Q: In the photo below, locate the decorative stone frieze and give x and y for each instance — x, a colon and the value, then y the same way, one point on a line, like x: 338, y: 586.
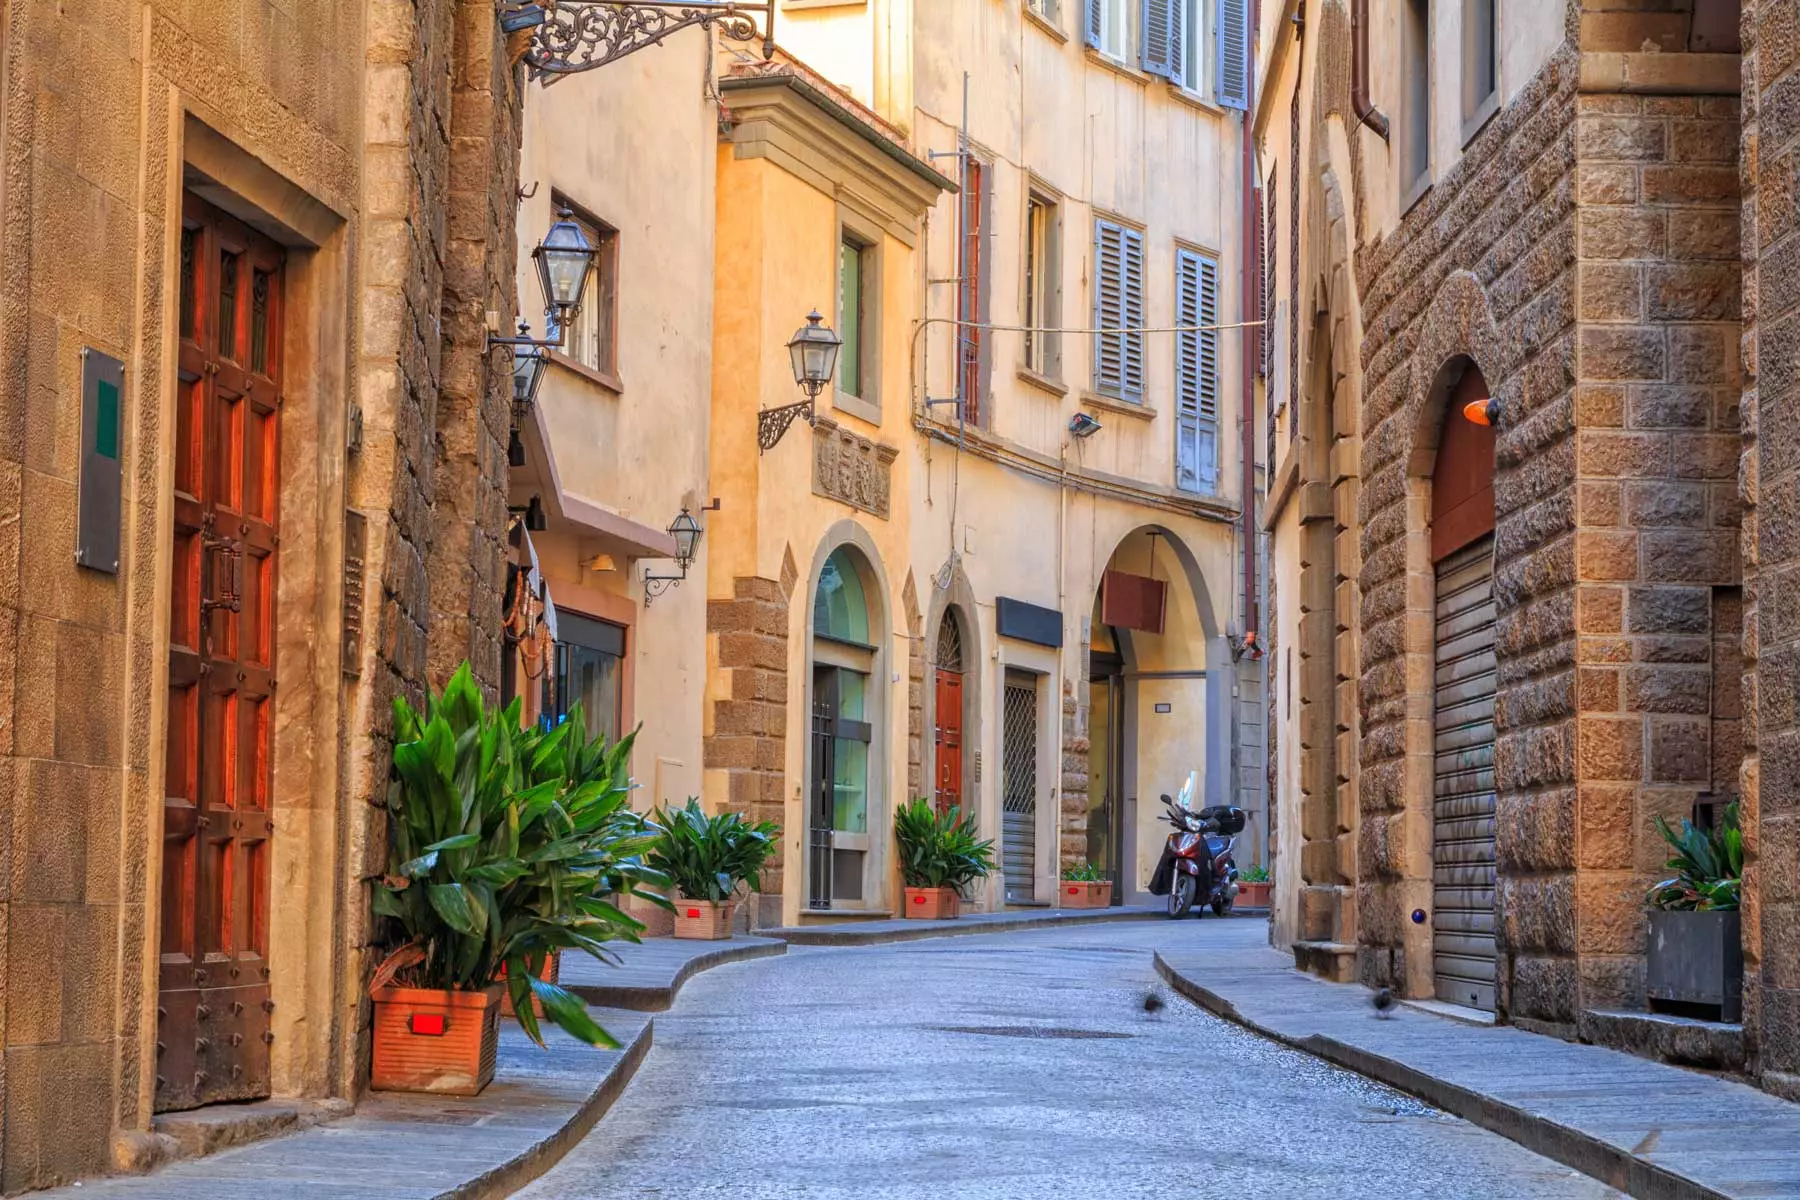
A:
x: 851, y: 468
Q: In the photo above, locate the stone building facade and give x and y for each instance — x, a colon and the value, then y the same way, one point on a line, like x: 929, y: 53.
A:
x: 1565, y: 247
x: 249, y: 255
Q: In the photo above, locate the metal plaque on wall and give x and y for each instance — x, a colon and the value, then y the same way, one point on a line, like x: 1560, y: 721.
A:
x: 356, y: 549
x: 98, y: 508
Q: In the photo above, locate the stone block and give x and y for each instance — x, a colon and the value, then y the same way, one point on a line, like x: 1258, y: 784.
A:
x: 1607, y: 556
x: 1669, y: 610
x: 1606, y: 822
x: 1597, y: 690
x: 1703, y: 234
x: 1690, y: 184
x: 1649, y: 505
x: 1610, y: 291
x: 1703, y: 354
x: 1668, y: 688
x: 1682, y: 556
x: 1620, y: 138
x: 1622, y: 233
x: 1610, y: 748
x: 1694, y: 291
x: 1606, y: 183
x: 1600, y: 405
x: 1611, y: 913
x: 1622, y: 353
x: 1680, y: 750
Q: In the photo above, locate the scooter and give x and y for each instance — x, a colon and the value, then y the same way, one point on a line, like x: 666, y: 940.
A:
x: 1197, y: 863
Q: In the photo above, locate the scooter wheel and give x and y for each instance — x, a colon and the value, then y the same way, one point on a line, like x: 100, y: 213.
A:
x: 1181, y: 896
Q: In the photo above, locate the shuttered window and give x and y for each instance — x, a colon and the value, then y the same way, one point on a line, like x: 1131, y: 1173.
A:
x: 1106, y: 26
x: 1165, y: 38
x: 1118, y: 308
x: 1233, y: 45
x: 1196, y: 373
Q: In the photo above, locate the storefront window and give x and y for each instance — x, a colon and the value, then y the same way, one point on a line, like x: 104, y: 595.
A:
x: 590, y: 663
x: 850, y: 755
x: 840, y: 611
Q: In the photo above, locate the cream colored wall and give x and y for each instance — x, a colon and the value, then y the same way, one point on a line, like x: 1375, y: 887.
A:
x: 1283, y: 685
x: 634, y: 146
x: 777, y: 264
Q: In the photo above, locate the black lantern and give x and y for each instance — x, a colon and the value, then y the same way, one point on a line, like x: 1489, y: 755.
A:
x: 534, y: 516
x: 814, y: 350
x: 515, y: 448
x: 528, y: 368
x: 686, y: 532
x: 564, y: 259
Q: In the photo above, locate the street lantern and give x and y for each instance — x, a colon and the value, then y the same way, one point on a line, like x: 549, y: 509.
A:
x: 564, y: 259
x: 814, y: 350
x: 528, y: 368
x: 686, y: 532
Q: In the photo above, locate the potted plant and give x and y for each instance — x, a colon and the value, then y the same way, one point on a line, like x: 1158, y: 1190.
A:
x: 1253, y: 887
x: 939, y: 856
x: 707, y: 858
x: 502, y: 842
x: 1696, y: 960
x: 1083, y: 886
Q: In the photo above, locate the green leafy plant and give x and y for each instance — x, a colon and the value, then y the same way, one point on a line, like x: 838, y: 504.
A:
x: 1083, y: 872
x: 707, y: 857
x: 504, y: 846
x: 1255, y: 873
x: 1708, y: 864
x: 939, y: 850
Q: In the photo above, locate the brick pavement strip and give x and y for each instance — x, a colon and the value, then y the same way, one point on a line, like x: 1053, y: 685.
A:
x: 1653, y: 1131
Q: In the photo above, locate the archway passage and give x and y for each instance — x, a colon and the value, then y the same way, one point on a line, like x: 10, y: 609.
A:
x: 947, y: 731
x: 1463, y: 785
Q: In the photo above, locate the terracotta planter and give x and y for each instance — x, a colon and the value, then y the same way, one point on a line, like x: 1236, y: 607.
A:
x: 931, y: 904
x: 1083, y: 893
x: 430, y: 1041
x: 1252, y: 895
x: 549, y: 975
x: 703, y: 920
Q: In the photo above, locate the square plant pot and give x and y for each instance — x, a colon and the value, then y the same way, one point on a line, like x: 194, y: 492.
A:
x: 931, y: 904
x: 702, y: 920
x: 432, y: 1041
x: 1696, y: 964
x: 1252, y: 895
x: 1080, y: 893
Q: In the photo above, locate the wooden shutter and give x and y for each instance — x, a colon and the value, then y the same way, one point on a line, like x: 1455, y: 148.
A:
x: 1095, y: 23
x: 1234, y: 54
x: 1196, y: 373
x: 1162, y: 37
x: 1109, y: 307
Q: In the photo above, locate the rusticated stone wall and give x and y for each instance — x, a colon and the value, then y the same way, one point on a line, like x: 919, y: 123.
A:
x: 1770, y: 487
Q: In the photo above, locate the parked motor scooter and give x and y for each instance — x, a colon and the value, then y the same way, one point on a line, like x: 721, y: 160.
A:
x: 1197, y: 863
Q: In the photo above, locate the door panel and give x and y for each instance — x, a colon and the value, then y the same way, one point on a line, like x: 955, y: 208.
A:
x: 213, y: 1006
x: 1019, y: 727
x: 1463, y: 792
x: 949, y: 739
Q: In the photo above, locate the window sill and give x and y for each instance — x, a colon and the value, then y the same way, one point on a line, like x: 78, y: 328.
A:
x: 1410, y: 197
x: 1043, y: 382
x: 1044, y: 23
x: 856, y: 406
x: 1484, y: 112
x: 1194, y: 99
x: 605, y: 379
x: 1117, y: 66
x: 1125, y: 408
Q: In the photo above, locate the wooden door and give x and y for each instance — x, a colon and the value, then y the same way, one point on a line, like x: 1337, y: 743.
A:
x: 948, y: 739
x: 213, y: 1005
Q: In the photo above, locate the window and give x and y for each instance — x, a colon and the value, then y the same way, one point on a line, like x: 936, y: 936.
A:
x: 840, y: 609
x: 1190, y: 71
x: 852, y: 289
x: 1043, y: 285
x: 1171, y: 41
x: 971, y: 293
x: 593, y: 330
x: 590, y: 662
x: 1118, y: 308
x: 1111, y: 27
x: 1415, y: 113
x: 1047, y: 9
x: 1480, y: 74
x: 1196, y: 373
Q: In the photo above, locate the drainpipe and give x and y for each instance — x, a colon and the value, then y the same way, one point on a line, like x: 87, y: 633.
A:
x: 1247, y: 289
x: 1367, y: 113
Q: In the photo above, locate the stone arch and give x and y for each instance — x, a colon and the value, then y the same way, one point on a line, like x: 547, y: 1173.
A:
x: 1456, y: 329
x: 955, y: 595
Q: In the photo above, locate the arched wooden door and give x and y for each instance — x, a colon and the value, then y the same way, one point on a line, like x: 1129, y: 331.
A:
x: 213, y: 1006
x: 947, y: 732
x: 1463, y: 785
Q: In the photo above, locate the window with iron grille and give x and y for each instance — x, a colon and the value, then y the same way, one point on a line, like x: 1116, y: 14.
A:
x: 1118, y: 311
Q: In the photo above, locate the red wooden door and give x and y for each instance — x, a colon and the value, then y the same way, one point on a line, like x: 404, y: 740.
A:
x: 949, y: 755
x: 213, y: 1001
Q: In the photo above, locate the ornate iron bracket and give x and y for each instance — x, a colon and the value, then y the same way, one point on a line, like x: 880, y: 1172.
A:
x: 656, y: 585
x: 581, y: 35
x: 772, y: 423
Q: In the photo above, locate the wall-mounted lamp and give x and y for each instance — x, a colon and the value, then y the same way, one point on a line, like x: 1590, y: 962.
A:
x: 1083, y: 426
x: 1483, y: 412
x: 580, y: 35
x: 533, y: 513
x: 813, y: 351
x: 686, y: 531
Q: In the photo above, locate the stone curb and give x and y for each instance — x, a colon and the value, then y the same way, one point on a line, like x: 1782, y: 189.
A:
x: 654, y: 998
x: 1571, y: 1147
x: 508, y: 1177
x: 851, y: 935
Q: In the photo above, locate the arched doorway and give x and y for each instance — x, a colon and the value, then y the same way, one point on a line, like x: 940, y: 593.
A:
x: 848, y: 699
x: 947, y: 728
x: 1464, y: 678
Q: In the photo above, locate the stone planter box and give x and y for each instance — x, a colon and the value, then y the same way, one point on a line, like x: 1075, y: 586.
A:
x: 702, y: 920
x: 1253, y: 895
x: 441, y: 1042
x: 931, y: 904
x: 1081, y: 893
x: 1696, y: 965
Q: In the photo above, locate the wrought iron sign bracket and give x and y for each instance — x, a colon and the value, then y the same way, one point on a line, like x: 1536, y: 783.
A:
x: 772, y: 423
x: 571, y: 36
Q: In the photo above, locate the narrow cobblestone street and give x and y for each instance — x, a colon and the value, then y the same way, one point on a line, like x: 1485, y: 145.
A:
x: 1018, y: 1065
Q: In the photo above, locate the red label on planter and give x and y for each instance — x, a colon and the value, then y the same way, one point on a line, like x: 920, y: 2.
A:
x: 693, y: 914
x: 1074, y: 891
x: 918, y: 899
x: 428, y: 1024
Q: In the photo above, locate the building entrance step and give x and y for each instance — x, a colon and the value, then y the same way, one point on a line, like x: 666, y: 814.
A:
x: 1683, y: 1041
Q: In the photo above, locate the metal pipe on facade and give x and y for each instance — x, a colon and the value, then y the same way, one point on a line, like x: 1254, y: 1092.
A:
x: 1254, y: 330
x: 1366, y: 112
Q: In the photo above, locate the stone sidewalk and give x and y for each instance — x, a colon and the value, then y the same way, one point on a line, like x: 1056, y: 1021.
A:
x: 865, y: 932
x: 1650, y: 1130
x: 652, y: 972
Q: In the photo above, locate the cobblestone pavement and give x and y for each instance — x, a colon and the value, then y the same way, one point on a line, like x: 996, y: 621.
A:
x: 1018, y: 1065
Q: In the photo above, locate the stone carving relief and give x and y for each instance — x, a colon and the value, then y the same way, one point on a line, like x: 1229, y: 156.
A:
x: 852, y: 469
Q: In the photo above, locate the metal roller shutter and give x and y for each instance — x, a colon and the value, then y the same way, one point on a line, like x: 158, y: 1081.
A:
x: 1463, y: 791
x: 1019, y: 834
